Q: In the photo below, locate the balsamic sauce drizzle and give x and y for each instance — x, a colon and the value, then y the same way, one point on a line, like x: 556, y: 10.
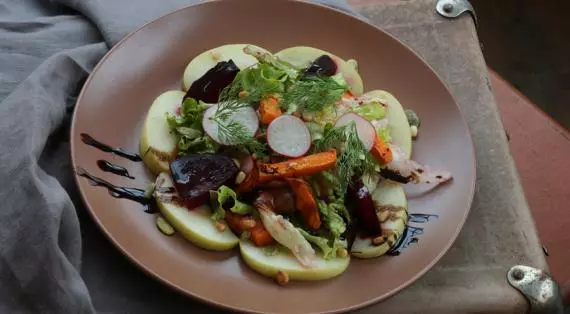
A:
x: 133, y: 194
x: 411, y: 233
x: 112, y: 168
x: 87, y: 139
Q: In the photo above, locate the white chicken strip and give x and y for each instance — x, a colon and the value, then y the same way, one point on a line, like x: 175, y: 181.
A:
x: 285, y: 233
x: 410, y: 171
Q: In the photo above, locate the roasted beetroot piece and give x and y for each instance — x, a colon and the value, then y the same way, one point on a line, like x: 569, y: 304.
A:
x: 322, y: 66
x: 360, y: 198
x: 208, y: 87
x: 195, y: 175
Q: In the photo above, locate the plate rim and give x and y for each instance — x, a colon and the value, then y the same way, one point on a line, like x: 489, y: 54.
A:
x: 201, y: 298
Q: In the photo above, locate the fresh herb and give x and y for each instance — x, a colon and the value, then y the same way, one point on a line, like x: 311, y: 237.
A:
x: 235, y: 132
x: 354, y: 158
x: 248, y: 88
x: 313, y: 93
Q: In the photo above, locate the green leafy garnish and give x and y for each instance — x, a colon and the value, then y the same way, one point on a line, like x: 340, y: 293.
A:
x: 313, y: 93
x: 332, y: 219
x: 384, y: 134
x: 187, y: 126
x: 200, y: 145
x: 354, y: 159
x: 371, y: 111
x: 226, y: 196
x: 249, y: 87
x: 329, y: 247
x: 235, y: 132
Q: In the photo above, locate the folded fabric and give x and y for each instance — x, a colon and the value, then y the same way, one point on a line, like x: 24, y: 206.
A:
x: 47, y: 51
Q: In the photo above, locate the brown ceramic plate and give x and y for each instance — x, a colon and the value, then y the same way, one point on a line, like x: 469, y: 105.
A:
x: 116, y: 97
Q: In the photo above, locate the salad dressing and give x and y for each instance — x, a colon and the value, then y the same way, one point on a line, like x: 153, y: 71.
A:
x: 133, y: 194
x: 115, y: 169
x: 87, y: 139
x: 410, y: 234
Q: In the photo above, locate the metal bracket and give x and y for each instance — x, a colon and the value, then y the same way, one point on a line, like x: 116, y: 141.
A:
x: 541, y: 291
x: 454, y: 8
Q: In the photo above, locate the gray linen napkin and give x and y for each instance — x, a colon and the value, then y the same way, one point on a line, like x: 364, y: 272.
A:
x: 47, y: 50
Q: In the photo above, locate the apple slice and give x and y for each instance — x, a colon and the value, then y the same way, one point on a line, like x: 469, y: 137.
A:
x: 397, y: 120
x: 157, y: 143
x: 270, y: 264
x: 391, y: 206
x: 303, y: 56
x: 208, y: 59
x: 194, y: 224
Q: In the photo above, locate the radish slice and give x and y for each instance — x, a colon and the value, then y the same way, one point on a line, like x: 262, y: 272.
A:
x: 364, y: 128
x: 246, y: 116
x: 289, y: 136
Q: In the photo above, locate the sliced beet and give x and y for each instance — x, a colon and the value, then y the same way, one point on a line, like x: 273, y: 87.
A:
x: 209, y: 86
x: 364, y: 208
x: 195, y: 175
x: 322, y: 66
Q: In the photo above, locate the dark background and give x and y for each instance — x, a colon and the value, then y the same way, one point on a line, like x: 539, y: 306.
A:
x: 527, y: 42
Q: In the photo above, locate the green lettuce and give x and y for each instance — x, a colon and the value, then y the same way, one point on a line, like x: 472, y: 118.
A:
x: 333, y: 221
x: 187, y: 126
x: 371, y: 111
x: 384, y: 134
x: 225, y: 195
x: 200, y: 145
x: 261, y: 80
x: 328, y: 247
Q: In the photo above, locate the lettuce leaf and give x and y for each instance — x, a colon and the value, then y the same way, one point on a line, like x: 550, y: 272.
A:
x: 328, y: 247
x: 226, y: 196
x: 187, y: 126
x: 371, y: 111
x: 384, y: 134
x: 333, y: 221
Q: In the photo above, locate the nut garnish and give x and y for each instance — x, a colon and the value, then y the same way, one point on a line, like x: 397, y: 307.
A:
x: 341, y: 252
x: 282, y: 278
x: 378, y: 240
x: 220, y: 226
x: 240, y: 177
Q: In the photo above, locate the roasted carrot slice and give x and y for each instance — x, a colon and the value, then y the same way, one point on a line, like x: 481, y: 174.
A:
x: 304, y: 166
x: 347, y: 95
x: 240, y: 223
x: 269, y: 110
x: 305, y: 202
x: 260, y: 236
x: 381, y: 152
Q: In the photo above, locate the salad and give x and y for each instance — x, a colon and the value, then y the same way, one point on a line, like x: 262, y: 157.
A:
x: 284, y: 156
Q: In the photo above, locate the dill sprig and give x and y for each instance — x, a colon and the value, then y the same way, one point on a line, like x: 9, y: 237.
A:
x: 313, y: 93
x: 235, y: 132
x: 354, y: 159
